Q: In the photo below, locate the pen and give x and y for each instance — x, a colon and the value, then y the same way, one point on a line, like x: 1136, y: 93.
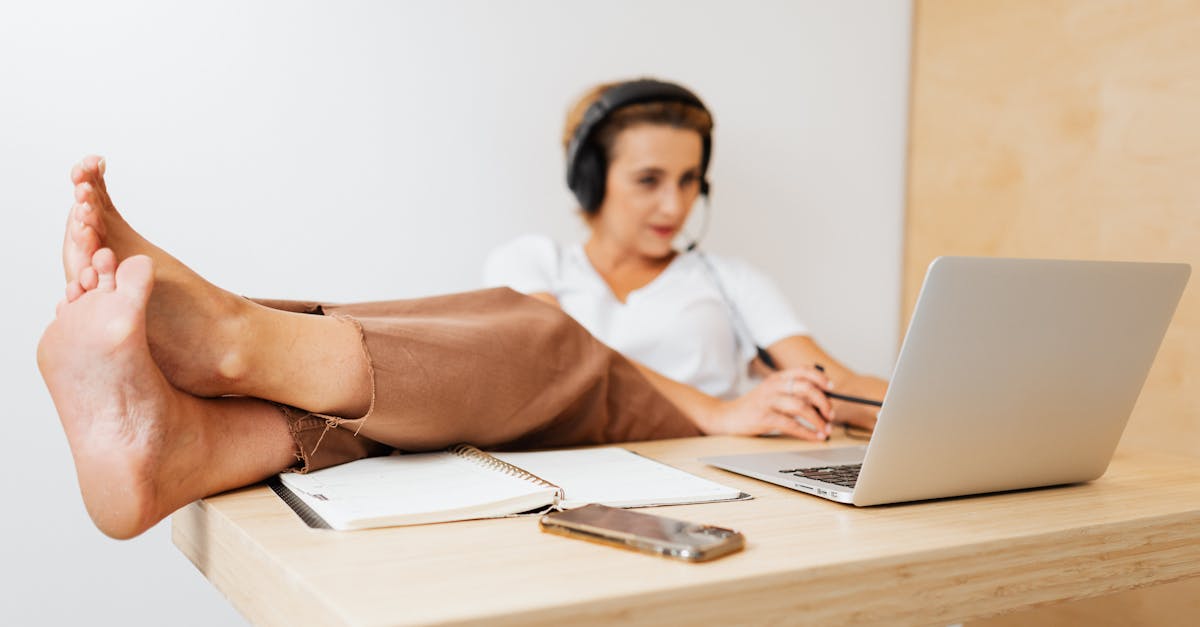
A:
x: 769, y: 362
x: 846, y: 397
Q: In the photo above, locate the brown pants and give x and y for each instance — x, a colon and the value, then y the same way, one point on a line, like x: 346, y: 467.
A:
x: 493, y: 368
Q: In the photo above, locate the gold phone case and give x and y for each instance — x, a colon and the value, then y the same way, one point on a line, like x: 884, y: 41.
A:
x: 645, y: 533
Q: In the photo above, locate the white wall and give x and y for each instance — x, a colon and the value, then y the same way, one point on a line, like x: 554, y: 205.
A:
x: 352, y: 150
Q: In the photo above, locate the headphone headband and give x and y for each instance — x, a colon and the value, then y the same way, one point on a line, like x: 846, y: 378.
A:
x: 586, y: 163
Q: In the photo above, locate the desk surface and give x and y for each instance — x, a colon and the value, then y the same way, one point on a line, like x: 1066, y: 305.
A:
x: 806, y: 560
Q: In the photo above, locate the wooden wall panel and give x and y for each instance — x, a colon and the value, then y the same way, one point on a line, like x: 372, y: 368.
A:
x: 1065, y: 130
x: 1068, y: 129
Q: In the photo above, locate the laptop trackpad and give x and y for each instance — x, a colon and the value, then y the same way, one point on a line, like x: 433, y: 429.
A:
x: 837, y: 456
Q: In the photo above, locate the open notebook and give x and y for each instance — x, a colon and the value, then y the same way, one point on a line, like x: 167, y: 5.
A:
x: 463, y: 483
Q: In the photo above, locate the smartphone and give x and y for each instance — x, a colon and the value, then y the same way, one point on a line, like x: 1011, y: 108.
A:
x: 646, y: 533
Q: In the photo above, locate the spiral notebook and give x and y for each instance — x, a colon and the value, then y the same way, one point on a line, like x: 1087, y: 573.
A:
x: 463, y: 483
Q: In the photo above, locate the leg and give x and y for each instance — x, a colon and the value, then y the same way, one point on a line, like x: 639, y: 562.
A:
x: 499, y: 369
x: 493, y: 368
x: 208, y: 341
x: 142, y: 448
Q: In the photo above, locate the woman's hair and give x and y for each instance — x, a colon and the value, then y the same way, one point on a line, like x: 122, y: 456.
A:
x: 673, y: 114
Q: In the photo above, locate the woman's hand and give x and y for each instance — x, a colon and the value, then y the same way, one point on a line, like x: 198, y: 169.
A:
x: 857, y: 415
x: 782, y: 404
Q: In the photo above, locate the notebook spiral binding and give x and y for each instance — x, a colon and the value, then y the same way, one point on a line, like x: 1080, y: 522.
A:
x: 306, y: 513
x: 468, y: 452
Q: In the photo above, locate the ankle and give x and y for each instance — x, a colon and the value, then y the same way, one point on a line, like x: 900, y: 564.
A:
x: 206, y: 350
x: 182, y: 475
x: 236, y: 333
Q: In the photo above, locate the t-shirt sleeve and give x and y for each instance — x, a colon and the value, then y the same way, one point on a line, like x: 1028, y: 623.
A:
x: 768, y: 315
x: 527, y: 264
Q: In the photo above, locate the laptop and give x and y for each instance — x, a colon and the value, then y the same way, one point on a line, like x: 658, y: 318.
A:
x: 1014, y: 373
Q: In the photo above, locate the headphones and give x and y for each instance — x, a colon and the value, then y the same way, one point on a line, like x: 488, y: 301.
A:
x: 587, y: 165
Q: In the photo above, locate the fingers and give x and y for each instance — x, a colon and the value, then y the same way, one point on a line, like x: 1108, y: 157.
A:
x: 800, y: 397
x: 787, y: 425
x: 801, y: 408
x: 807, y: 390
x: 808, y: 393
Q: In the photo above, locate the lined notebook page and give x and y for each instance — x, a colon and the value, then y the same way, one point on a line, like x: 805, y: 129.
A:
x: 617, y: 477
x: 411, y: 490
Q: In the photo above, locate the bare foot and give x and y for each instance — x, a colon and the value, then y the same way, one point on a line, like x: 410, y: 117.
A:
x: 142, y: 448
x: 80, y: 239
x: 209, y: 342
x: 121, y: 417
x: 195, y: 329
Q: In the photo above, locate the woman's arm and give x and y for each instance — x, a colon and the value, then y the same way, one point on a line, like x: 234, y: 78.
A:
x: 801, y: 352
x: 788, y: 402
x: 777, y: 405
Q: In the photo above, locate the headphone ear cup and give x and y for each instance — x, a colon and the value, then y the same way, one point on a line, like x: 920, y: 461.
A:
x: 589, y: 182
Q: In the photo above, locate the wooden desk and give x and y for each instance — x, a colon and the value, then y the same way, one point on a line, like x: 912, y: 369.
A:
x: 807, y: 560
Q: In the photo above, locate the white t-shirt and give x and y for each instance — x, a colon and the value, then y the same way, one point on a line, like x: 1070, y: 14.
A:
x: 678, y: 325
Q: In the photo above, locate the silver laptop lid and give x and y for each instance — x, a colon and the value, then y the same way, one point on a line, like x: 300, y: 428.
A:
x: 1016, y: 373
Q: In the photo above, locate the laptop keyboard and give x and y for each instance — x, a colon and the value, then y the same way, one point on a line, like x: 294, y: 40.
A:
x: 845, y: 476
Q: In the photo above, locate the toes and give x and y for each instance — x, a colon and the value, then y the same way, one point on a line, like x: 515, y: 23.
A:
x: 105, y: 263
x: 87, y: 215
x: 86, y: 237
x: 74, y: 291
x: 92, y: 168
x: 107, y: 281
x: 74, y: 257
x: 84, y: 212
x: 84, y: 192
x: 89, y: 240
x: 80, y: 241
x: 135, y: 277
x: 87, y: 168
x: 88, y: 279
x: 90, y: 191
x: 101, y: 274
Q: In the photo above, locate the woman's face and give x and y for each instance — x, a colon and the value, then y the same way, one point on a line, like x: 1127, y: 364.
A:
x: 653, y: 181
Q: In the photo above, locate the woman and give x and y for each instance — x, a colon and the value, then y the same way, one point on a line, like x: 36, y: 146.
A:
x: 637, y: 157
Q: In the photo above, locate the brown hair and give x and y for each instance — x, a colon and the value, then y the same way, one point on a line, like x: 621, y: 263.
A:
x: 674, y: 114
